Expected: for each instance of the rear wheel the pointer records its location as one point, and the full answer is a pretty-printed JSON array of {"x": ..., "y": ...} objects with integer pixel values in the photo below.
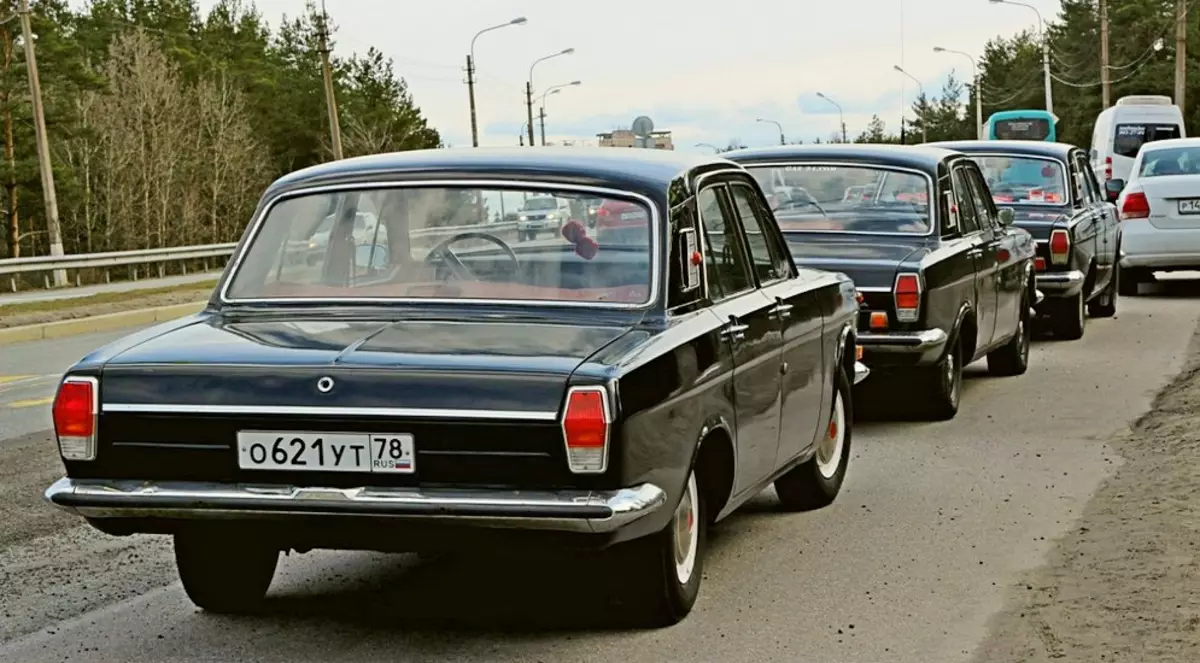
[
  {"x": 660, "y": 574},
  {"x": 222, "y": 571},
  {"x": 1105, "y": 306},
  {"x": 1130, "y": 280},
  {"x": 817, "y": 482},
  {"x": 942, "y": 383},
  {"x": 1067, "y": 318},
  {"x": 1013, "y": 358}
]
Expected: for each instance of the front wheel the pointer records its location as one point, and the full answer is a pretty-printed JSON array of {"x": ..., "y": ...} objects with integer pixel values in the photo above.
[
  {"x": 661, "y": 572},
  {"x": 1013, "y": 358},
  {"x": 1130, "y": 280},
  {"x": 1067, "y": 318},
  {"x": 1105, "y": 306},
  {"x": 223, "y": 573},
  {"x": 817, "y": 482}
]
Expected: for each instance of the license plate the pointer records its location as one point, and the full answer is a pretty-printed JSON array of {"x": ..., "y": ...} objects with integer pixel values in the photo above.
[
  {"x": 1189, "y": 206},
  {"x": 296, "y": 451}
]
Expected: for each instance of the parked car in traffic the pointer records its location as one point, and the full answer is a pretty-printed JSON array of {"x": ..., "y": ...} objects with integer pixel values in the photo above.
[
  {"x": 944, "y": 277},
  {"x": 1055, "y": 195},
  {"x": 1159, "y": 209},
  {"x": 540, "y": 214},
  {"x": 407, "y": 397},
  {"x": 1121, "y": 129}
]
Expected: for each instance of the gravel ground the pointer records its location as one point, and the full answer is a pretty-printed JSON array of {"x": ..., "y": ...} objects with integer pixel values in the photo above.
[{"x": 71, "y": 310}]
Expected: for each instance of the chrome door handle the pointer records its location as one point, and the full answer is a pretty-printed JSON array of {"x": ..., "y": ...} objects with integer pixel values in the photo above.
[
  {"x": 974, "y": 253},
  {"x": 783, "y": 310},
  {"x": 735, "y": 332}
]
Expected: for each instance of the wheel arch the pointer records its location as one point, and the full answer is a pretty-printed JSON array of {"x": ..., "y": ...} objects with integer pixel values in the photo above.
[{"x": 715, "y": 464}]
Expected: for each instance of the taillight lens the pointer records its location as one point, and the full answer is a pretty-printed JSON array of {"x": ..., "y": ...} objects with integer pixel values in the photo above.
[
  {"x": 585, "y": 424},
  {"x": 1107, "y": 168},
  {"x": 1039, "y": 264},
  {"x": 76, "y": 410},
  {"x": 907, "y": 293},
  {"x": 1135, "y": 206},
  {"x": 1060, "y": 246}
]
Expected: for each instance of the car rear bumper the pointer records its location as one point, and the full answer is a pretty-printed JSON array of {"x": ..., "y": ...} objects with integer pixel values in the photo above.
[
  {"x": 577, "y": 511},
  {"x": 1147, "y": 247},
  {"x": 1060, "y": 284},
  {"x": 897, "y": 348}
]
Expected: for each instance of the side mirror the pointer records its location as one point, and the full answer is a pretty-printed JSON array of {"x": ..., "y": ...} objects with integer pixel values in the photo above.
[
  {"x": 1113, "y": 189},
  {"x": 1006, "y": 216}
]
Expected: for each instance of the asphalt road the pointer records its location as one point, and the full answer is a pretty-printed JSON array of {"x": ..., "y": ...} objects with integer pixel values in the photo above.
[{"x": 934, "y": 529}]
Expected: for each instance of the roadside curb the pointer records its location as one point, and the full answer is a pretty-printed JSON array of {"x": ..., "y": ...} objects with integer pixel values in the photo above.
[{"x": 97, "y": 323}]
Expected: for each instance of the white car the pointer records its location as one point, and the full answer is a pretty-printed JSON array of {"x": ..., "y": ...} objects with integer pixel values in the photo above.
[{"x": 1159, "y": 209}]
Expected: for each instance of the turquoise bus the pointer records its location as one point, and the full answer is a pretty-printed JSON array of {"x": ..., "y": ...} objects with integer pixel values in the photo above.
[{"x": 1022, "y": 125}]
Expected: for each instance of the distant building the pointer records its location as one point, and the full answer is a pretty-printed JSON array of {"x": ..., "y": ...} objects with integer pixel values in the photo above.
[{"x": 625, "y": 138}]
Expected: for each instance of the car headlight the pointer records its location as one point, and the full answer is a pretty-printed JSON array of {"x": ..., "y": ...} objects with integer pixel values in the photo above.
[{"x": 522, "y": 218}]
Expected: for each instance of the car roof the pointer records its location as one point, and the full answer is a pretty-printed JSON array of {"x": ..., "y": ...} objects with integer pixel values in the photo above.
[
  {"x": 1030, "y": 147},
  {"x": 649, "y": 171},
  {"x": 1170, "y": 142},
  {"x": 921, "y": 157}
]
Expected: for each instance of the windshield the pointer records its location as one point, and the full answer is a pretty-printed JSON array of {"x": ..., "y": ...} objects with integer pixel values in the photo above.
[
  {"x": 1129, "y": 138},
  {"x": 542, "y": 203},
  {"x": 1022, "y": 129},
  {"x": 437, "y": 243},
  {"x": 1024, "y": 180},
  {"x": 846, "y": 198},
  {"x": 1170, "y": 161}
]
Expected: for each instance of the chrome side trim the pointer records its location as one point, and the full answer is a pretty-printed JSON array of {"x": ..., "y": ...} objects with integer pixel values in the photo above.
[
  {"x": 1073, "y": 276},
  {"x": 581, "y": 511},
  {"x": 656, "y": 244},
  {"x": 304, "y": 410},
  {"x": 902, "y": 341},
  {"x": 860, "y": 372},
  {"x": 873, "y": 288},
  {"x": 1038, "y": 296}
]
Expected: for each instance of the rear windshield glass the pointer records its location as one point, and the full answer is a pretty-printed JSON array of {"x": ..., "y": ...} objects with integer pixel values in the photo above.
[
  {"x": 443, "y": 243},
  {"x": 1170, "y": 161},
  {"x": 846, "y": 198},
  {"x": 543, "y": 203},
  {"x": 1129, "y": 138},
  {"x": 1022, "y": 129},
  {"x": 1025, "y": 180}
]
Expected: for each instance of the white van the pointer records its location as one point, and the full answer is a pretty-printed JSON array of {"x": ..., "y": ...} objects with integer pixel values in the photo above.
[{"x": 1123, "y": 128}]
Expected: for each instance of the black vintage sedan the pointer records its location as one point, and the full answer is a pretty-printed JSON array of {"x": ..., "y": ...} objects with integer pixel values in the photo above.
[
  {"x": 434, "y": 384},
  {"x": 944, "y": 278},
  {"x": 1055, "y": 196}
]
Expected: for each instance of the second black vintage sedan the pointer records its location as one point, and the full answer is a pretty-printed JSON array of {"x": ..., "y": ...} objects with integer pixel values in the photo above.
[
  {"x": 944, "y": 278},
  {"x": 1055, "y": 196},
  {"x": 433, "y": 383}
]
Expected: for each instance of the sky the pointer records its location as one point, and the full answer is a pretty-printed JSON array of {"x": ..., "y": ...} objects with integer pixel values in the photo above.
[{"x": 705, "y": 70}]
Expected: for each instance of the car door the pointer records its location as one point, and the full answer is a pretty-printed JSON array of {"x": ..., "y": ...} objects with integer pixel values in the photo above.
[
  {"x": 1105, "y": 215},
  {"x": 751, "y": 332},
  {"x": 982, "y": 252},
  {"x": 1009, "y": 278},
  {"x": 798, "y": 315}
]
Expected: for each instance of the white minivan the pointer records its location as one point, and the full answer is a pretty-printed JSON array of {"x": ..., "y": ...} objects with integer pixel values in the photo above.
[{"x": 1123, "y": 128}]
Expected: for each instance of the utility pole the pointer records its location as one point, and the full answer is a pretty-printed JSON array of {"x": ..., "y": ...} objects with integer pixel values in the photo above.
[
  {"x": 529, "y": 110},
  {"x": 43, "y": 145},
  {"x": 542, "y": 121},
  {"x": 1105, "y": 74},
  {"x": 335, "y": 128},
  {"x": 471, "y": 94},
  {"x": 1180, "y": 51}
]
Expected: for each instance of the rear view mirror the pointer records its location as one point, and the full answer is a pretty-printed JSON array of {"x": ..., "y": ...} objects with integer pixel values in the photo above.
[
  {"x": 1113, "y": 189},
  {"x": 1006, "y": 216}
]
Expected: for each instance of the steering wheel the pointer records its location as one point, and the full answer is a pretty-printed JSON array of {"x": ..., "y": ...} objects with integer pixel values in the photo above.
[{"x": 456, "y": 266}]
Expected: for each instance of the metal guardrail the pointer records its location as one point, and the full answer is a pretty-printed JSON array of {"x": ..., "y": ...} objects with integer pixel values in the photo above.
[{"x": 12, "y": 266}]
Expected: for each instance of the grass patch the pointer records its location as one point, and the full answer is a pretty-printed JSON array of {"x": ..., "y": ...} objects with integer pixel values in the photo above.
[{"x": 201, "y": 288}]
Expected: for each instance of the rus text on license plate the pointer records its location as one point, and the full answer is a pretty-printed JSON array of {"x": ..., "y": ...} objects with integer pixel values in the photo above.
[
  {"x": 1189, "y": 206},
  {"x": 296, "y": 451}
]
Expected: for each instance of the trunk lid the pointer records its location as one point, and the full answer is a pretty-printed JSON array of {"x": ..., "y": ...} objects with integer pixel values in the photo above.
[
  {"x": 870, "y": 261},
  {"x": 1038, "y": 222},
  {"x": 1174, "y": 201}
]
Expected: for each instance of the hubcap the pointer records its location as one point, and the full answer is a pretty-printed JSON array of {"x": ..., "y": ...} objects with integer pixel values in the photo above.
[
  {"x": 952, "y": 376},
  {"x": 1024, "y": 337},
  {"x": 687, "y": 534},
  {"x": 829, "y": 452}
]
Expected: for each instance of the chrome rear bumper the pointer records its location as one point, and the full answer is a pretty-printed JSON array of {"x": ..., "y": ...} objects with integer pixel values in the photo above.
[
  {"x": 582, "y": 511},
  {"x": 1061, "y": 284}
]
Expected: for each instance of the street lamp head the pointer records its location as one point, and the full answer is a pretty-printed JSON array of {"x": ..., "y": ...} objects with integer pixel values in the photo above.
[
  {"x": 938, "y": 49},
  {"x": 554, "y": 91},
  {"x": 996, "y": 2},
  {"x": 898, "y": 68},
  {"x": 568, "y": 51},
  {"x": 821, "y": 95},
  {"x": 520, "y": 20},
  {"x": 575, "y": 83}
]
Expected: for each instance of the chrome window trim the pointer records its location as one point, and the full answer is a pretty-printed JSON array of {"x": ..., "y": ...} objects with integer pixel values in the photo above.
[
  {"x": 256, "y": 226},
  {"x": 933, "y": 216},
  {"x": 320, "y": 411}
]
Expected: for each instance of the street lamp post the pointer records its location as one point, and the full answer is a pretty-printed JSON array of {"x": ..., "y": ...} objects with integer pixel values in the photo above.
[
  {"x": 520, "y": 20},
  {"x": 920, "y": 91},
  {"x": 553, "y": 89},
  {"x": 978, "y": 88},
  {"x": 1045, "y": 39},
  {"x": 529, "y": 88},
  {"x": 841, "y": 116},
  {"x": 781, "y": 140}
]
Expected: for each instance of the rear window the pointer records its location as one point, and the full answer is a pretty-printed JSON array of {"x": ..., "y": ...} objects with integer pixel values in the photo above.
[
  {"x": 1024, "y": 179},
  {"x": 1129, "y": 138},
  {"x": 1018, "y": 129},
  {"x": 1170, "y": 161}
]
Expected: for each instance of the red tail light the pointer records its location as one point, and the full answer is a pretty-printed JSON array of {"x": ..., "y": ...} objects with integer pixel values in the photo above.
[
  {"x": 1039, "y": 264},
  {"x": 76, "y": 409},
  {"x": 1060, "y": 246},
  {"x": 907, "y": 292},
  {"x": 1135, "y": 206},
  {"x": 1107, "y": 168},
  {"x": 585, "y": 424}
]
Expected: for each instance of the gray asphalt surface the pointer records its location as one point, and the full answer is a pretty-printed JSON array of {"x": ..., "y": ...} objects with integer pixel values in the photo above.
[
  {"x": 936, "y": 524},
  {"x": 89, "y": 290}
]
